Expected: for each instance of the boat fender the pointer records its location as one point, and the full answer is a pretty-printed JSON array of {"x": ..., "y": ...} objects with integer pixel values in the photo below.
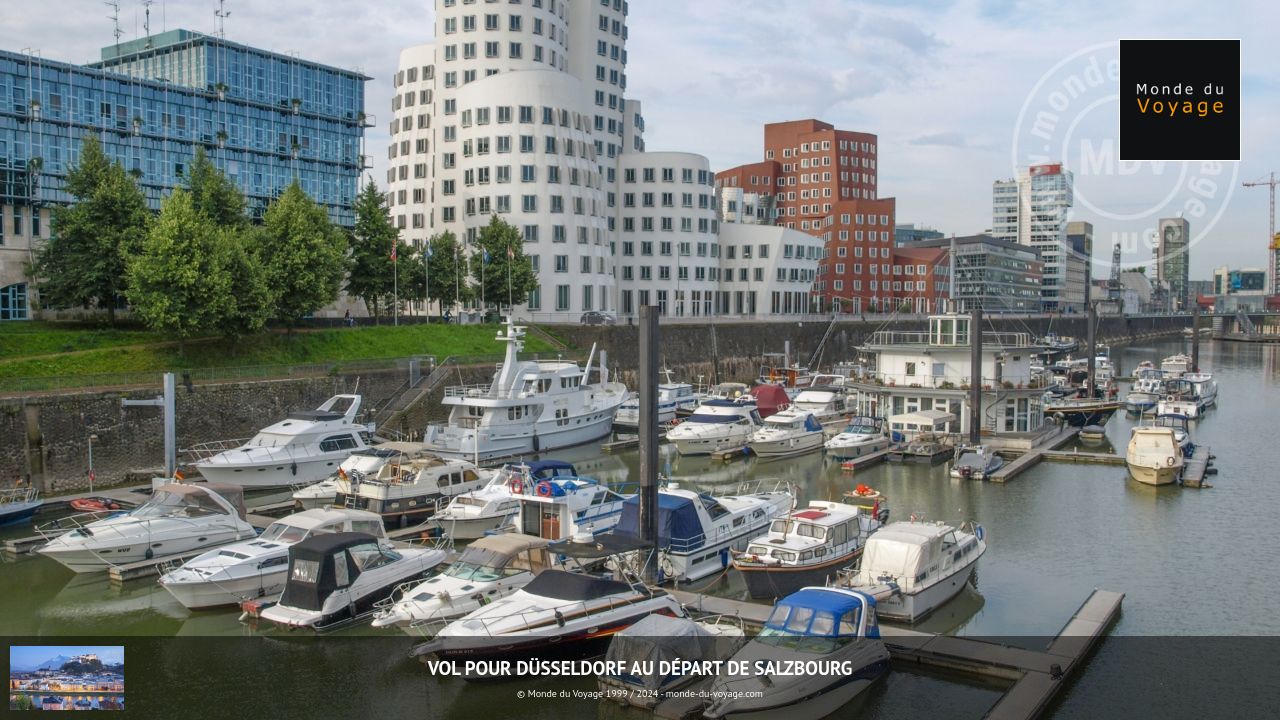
[
  {"x": 1170, "y": 398},
  {"x": 979, "y": 532},
  {"x": 293, "y": 467},
  {"x": 544, "y": 489},
  {"x": 149, "y": 554},
  {"x": 724, "y": 557},
  {"x": 559, "y": 618},
  {"x": 536, "y": 448}
]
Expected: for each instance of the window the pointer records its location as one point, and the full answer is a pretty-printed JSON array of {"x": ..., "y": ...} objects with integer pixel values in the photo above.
[{"x": 562, "y": 297}]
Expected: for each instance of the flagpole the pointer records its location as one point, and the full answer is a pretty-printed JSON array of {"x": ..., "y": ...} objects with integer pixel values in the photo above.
[
  {"x": 426, "y": 278},
  {"x": 510, "y": 259},
  {"x": 483, "y": 262},
  {"x": 457, "y": 282},
  {"x": 395, "y": 270}
]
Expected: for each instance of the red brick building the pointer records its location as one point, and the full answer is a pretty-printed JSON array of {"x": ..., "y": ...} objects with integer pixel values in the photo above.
[{"x": 823, "y": 181}]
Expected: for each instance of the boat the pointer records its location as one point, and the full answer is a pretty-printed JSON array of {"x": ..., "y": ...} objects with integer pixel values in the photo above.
[
  {"x": 925, "y": 447},
  {"x": 178, "y": 518},
  {"x": 729, "y": 391},
  {"x": 827, "y": 402},
  {"x": 673, "y": 399},
  {"x": 792, "y": 378},
  {"x": 790, "y": 432},
  {"x": 647, "y": 649},
  {"x": 555, "y": 503},
  {"x": 1080, "y": 411},
  {"x": 530, "y": 406},
  {"x": 825, "y": 627},
  {"x": 770, "y": 399},
  {"x": 975, "y": 462},
  {"x": 558, "y": 614},
  {"x": 361, "y": 463},
  {"x": 335, "y": 579},
  {"x": 871, "y": 500},
  {"x": 305, "y": 447},
  {"x": 862, "y": 436},
  {"x": 18, "y": 504},
  {"x": 488, "y": 569},
  {"x": 1058, "y": 345},
  {"x": 698, "y": 532},
  {"x": 1175, "y": 365},
  {"x": 1153, "y": 456},
  {"x": 1203, "y": 387},
  {"x": 807, "y": 547},
  {"x": 405, "y": 493},
  {"x": 474, "y": 513},
  {"x": 912, "y": 568},
  {"x": 94, "y": 505},
  {"x": 1182, "y": 398},
  {"x": 717, "y": 425},
  {"x": 1145, "y": 392},
  {"x": 1181, "y": 431},
  {"x": 258, "y": 567}
]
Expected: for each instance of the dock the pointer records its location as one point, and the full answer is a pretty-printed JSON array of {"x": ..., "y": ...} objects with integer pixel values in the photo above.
[
  {"x": 731, "y": 453},
  {"x": 626, "y": 443},
  {"x": 1035, "y": 676},
  {"x": 1196, "y": 467},
  {"x": 1031, "y": 457},
  {"x": 857, "y": 463}
]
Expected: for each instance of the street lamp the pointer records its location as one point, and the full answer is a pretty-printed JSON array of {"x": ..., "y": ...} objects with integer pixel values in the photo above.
[{"x": 92, "y": 437}]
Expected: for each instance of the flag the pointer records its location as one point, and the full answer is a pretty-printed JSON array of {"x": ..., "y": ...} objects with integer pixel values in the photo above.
[
  {"x": 511, "y": 254},
  {"x": 427, "y": 249},
  {"x": 393, "y": 254},
  {"x": 177, "y": 475},
  {"x": 486, "y": 257}
]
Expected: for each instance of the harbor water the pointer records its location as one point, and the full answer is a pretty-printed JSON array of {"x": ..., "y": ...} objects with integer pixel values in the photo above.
[{"x": 1054, "y": 533}]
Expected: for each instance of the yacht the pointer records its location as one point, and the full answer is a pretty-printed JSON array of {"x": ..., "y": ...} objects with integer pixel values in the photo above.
[
  {"x": 790, "y": 432},
  {"x": 975, "y": 462},
  {"x": 555, "y": 503},
  {"x": 361, "y": 464},
  {"x": 1203, "y": 387},
  {"x": 557, "y": 612},
  {"x": 912, "y": 568},
  {"x": 715, "y": 426},
  {"x": 473, "y": 514},
  {"x": 642, "y": 649},
  {"x": 1080, "y": 411},
  {"x": 179, "y": 518},
  {"x": 1175, "y": 365},
  {"x": 925, "y": 447},
  {"x": 697, "y": 533},
  {"x": 1153, "y": 456},
  {"x": 335, "y": 578},
  {"x": 806, "y": 547},
  {"x": 828, "y": 403},
  {"x": 488, "y": 569},
  {"x": 673, "y": 399},
  {"x": 1145, "y": 392},
  {"x": 729, "y": 391},
  {"x": 862, "y": 436},
  {"x": 826, "y": 627},
  {"x": 1181, "y": 431},
  {"x": 258, "y": 567},
  {"x": 1181, "y": 399},
  {"x": 305, "y": 447},
  {"x": 18, "y": 504},
  {"x": 410, "y": 492},
  {"x": 531, "y": 406}
]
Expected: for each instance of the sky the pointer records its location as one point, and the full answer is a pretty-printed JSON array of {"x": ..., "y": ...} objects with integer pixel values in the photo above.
[
  {"x": 30, "y": 656},
  {"x": 943, "y": 83}
]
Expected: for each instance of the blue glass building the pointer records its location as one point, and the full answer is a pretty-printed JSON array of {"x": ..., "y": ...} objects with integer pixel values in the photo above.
[{"x": 264, "y": 118}]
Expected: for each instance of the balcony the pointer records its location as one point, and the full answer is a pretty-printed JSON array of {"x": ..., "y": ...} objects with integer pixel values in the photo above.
[{"x": 920, "y": 338}]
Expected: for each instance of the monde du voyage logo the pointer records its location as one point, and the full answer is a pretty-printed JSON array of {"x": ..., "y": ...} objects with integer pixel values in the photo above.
[{"x": 1180, "y": 100}]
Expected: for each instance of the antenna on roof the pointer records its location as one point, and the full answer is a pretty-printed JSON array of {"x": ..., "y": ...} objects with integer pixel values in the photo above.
[
  {"x": 114, "y": 17},
  {"x": 223, "y": 13},
  {"x": 146, "y": 20}
]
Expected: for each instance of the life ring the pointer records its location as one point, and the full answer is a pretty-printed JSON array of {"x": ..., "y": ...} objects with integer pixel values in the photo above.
[
  {"x": 1171, "y": 460},
  {"x": 1170, "y": 398},
  {"x": 543, "y": 489},
  {"x": 516, "y": 484},
  {"x": 863, "y": 490}
]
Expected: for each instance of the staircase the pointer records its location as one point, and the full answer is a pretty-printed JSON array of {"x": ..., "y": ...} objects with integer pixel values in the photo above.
[
  {"x": 407, "y": 399},
  {"x": 1245, "y": 323}
]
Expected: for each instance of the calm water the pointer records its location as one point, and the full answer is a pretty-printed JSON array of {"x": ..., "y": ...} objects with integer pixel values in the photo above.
[{"x": 1054, "y": 534}]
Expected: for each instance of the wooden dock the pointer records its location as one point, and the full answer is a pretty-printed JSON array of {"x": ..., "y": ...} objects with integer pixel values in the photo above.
[
  {"x": 857, "y": 463},
  {"x": 1032, "y": 457},
  {"x": 1083, "y": 457},
  {"x": 1197, "y": 467},
  {"x": 626, "y": 443},
  {"x": 1036, "y": 676},
  {"x": 731, "y": 454}
]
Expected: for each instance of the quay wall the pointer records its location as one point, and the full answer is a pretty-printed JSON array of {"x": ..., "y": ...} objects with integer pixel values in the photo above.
[{"x": 44, "y": 437}]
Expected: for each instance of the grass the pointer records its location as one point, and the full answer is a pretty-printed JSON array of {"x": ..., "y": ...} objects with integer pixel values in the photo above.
[{"x": 123, "y": 351}]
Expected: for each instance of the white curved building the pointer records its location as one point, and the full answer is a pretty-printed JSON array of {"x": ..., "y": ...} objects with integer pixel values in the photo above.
[{"x": 411, "y": 168}]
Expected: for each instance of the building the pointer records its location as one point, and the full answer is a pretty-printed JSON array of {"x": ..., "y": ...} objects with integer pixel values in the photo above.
[
  {"x": 1173, "y": 260},
  {"x": 1080, "y": 242},
  {"x": 1032, "y": 209},
  {"x": 907, "y": 234},
  {"x": 766, "y": 269},
  {"x": 823, "y": 181},
  {"x": 1242, "y": 289},
  {"x": 992, "y": 274},
  {"x": 265, "y": 119},
  {"x": 1137, "y": 294}
]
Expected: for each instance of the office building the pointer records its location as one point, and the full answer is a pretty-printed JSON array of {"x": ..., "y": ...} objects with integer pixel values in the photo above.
[
  {"x": 907, "y": 234},
  {"x": 1032, "y": 209},
  {"x": 1172, "y": 260},
  {"x": 992, "y": 274}
]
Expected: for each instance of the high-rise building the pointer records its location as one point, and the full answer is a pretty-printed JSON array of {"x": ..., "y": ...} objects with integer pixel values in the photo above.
[
  {"x": 822, "y": 181},
  {"x": 264, "y": 118},
  {"x": 992, "y": 274},
  {"x": 1172, "y": 260},
  {"x": 1080, "y": 243},
  {"x": 905, "y": 234},
  {"x": 1032, "y": 209}
]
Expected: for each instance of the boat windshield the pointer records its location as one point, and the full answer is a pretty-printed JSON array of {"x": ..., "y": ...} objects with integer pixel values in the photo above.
[
  {"x": 808, "y": 630},
  {"x": 802, "y": 529},
  {"x": 168, "y": 504},
  {"x": 266, "y": 439},
  {"x": 861, "y": 429},
  {"x": 709, "y": 419},
  {"x": 481, "y": 565},
  {"x": 283, "y": 532}
]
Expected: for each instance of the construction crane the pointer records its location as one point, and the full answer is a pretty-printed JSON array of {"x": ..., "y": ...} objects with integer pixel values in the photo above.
[{"x": 1273, "y": 246}]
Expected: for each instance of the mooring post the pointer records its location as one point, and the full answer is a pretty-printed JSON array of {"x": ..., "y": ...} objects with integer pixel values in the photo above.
[
  {"x": 1092, "y": 319},
  {"x": 1195, "y": 337},
  {"x": 648, "y": 377},
  {"x": 975, "y": 370}
]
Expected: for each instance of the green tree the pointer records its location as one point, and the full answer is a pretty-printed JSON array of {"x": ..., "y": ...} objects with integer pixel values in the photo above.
[
  {"x": 447, "y": 269},
  {"x": 304, "y": 255},
  {"x": 22, "y": 702},
  {"x": 504, "y": 246},
  {"x": 213, "y": 194},
  {"x": 178, "y": 282},
  {"x": 84, "y": 262},
  {"x": 252, "y": 301},
  {"x": 371, "y": 273}
]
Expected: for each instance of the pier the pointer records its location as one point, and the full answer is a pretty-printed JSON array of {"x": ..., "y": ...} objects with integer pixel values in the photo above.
[
  {"x": 627, "y": 442},
  {"x": 1031, "y": 457}
]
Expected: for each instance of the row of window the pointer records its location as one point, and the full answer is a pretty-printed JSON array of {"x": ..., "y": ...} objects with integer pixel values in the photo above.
[
  {"x": 667, "y": 224},
  {"x": 649, "y": 175}
]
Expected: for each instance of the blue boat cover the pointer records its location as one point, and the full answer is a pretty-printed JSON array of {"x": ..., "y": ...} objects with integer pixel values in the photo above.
[
  {"x": 543, "y": 469},
  {"x": 677, "y": 519},
  {"x": 811, "y": 424},
  {"x": 825, "y": 606}
]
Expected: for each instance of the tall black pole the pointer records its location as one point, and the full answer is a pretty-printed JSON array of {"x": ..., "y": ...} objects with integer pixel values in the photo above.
[
  {"x": 1195, "y": 336},
  {"x": 975, "y": 369},
  {"x": 649, "y": 438},
  {"x": 1092, "y": 318}
]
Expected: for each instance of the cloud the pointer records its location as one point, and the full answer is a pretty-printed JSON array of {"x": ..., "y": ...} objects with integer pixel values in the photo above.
[{"x": 943, "y": 139}]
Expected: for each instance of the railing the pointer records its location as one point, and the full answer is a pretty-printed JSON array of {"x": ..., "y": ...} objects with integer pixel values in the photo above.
[
  {"x": 476, "y": 390},
  {"x": 922, "y": 337},
  {"x": 204, "y": 451},
  {"x": 530, "y": 619}
]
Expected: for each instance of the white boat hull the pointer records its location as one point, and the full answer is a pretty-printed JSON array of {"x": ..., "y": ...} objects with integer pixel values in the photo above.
[
  {"x": 854, "y": 450},
  {"x": 214, "y": 592},
  {"x": 1155, "y": 475},
  {"x": 500, "y": 444},
  {"x": 793, "y": 445},
  {"x": 277, "y": 473},
  {"x": 911, "y": 607},
  {"x": 470, "y": 528},
  {"x": 97, "y": 558},
  {"x": 706, "y": 444}
]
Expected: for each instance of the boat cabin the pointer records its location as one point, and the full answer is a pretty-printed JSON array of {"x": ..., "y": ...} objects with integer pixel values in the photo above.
[
  {"x": 915, "y": 555},
  {"x": 829, "y": 617},
  {"x": 909, "y": 426},
  {"x": 324, "y": 564}
]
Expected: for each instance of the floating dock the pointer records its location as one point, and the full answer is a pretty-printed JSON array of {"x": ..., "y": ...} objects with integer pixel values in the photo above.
[
  {"x": 1031, "y": 457},
  {"x": 1197, "y": 467},
  {"x": 626, "y": 443}
]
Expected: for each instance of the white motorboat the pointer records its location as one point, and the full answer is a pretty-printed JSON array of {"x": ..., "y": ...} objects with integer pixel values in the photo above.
[
  {"x": 729, "y": 391},
  {"x": 305, "y": 447},
  {"x": 645, "y": 651},
  {"x": 558, "y": 611},
  {"x": 1145, "y": 392},
  {"x": 1153, "y": 456},
  {"x": 1181, "y": 431},
  {"x": 1181, "y": 398},
  {"x": 829, "y": 403},
  {"x": 789, "y": 432},
  {"x": 806, "y": 547},
  {"x": 531, "y": 406},
  {"x": 975, "y": 462},
  {"x": 258, "y": 567},
  {"x": 18, "y": 504},
  {"x": 697, "y": 533},
  {"x": 715, "y": 426},
  {"x": 555, "y": 503},
  {"x": 673, "y": 398},
  {"x": 472, "y": 514},
  {"x": 1203, "y": 388},
  {"x": 362, "y": 463},
  {"x": 912, "y": 568},
  {"x": 1175, "y": 365},
  {"x": 336, "y": 578},
  {"x": 490, "y": 568},
  {"x": 179, "y": 518},
  {"x": 817, "y": 627},
  {"x": 862, "y": 436},
  {"x": 408, "y": 492}
]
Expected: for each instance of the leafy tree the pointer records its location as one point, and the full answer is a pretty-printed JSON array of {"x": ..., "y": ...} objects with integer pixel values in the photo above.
[
  {"x": 448, "y": 271},
  {"x": 213, "y": 193},
  {"x": 304, "y": 255},
  {"x": 371, "y": 274},
  {"x": 252, "y": 301},
  {"x": 22, "y": 701},
  {"x": 85, "y": 260},
  {"x": 179, "y": 283},
  {"x": 504, "y": 246}
]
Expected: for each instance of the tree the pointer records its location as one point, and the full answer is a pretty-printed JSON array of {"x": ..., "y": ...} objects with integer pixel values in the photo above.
[
  {"x": 447, "y": 270},
  {"x": 371, "y": 273},
  {"x": 504, "y": 247},
  {"x": 252, "y": 301},
  {"x": 84, "y": 262},
  {"x": 303, "y": 253},
  {"x": 213, "y": 194},
  {"x": 178, "y": 282}
]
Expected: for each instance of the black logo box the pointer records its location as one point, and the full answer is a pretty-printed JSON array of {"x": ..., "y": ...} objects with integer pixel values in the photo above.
[{"x": 1205, "y": 73}]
